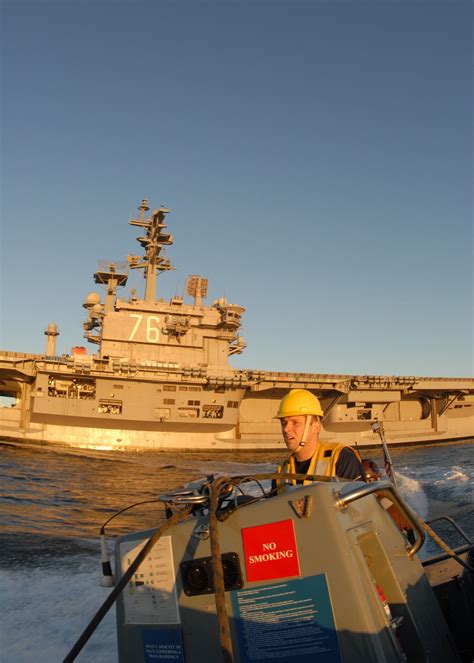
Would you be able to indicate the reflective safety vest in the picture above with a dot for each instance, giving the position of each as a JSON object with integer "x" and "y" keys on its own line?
{"x": 323, "y": 463}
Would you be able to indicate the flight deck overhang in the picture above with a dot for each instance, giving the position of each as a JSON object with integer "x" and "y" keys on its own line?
{"x": 379, "y": 388}
{"x": 17, "y": 368}
{"x": 263, "y": 381}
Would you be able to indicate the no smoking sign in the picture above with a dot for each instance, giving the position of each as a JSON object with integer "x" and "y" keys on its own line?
{"x": 270, "y": 551}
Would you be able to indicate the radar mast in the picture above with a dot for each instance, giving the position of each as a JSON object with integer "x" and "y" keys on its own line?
{"x": 153, "y": 243}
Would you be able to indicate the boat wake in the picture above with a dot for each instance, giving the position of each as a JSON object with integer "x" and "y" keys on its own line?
{"x": 53, "y": 604}
{"x": 412, "y": 490}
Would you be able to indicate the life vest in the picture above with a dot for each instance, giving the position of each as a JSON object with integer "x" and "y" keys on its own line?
{"x": 323, "y": 463}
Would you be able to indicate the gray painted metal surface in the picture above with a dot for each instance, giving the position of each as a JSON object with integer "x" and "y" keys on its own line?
{"x": 312, "y": 584}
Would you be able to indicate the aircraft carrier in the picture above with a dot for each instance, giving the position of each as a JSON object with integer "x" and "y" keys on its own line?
{"x": 160, "y": 377}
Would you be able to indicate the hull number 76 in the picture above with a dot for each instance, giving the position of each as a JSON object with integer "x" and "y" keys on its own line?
{"x": 152, "y": 331}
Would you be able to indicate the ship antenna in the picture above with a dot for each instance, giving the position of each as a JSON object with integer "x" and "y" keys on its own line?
{"x": 142, "y": 208}
{"x": 153, "y": 242}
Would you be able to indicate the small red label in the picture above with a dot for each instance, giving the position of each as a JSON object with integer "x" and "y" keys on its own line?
{"x": 270, "y": 551}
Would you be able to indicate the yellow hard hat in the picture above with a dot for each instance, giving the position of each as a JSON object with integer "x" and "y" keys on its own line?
{"x": 299, "y": 402}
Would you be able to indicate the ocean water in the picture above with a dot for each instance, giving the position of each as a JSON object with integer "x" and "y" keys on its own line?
{"x": 54, "y": 500}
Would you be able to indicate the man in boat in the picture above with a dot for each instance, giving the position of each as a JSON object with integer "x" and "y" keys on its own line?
{"x": 300, "y": 415}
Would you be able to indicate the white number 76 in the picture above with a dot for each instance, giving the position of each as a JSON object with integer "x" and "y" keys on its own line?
{"x": 152, "y": 331}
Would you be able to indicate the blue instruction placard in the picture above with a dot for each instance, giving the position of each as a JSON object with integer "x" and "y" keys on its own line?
{"x": 288, "y": 621}
{"x": 163, "y": 645}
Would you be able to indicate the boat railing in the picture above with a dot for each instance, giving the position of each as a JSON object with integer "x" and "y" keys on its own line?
{"x": 385, "y": 488}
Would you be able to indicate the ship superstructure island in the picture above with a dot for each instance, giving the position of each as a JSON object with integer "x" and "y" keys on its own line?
{"x": 161, "y": 377}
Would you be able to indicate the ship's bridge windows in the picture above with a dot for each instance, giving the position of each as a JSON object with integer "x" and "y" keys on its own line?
{"x": 109, "y": 407}
{"x": 118, "y": 386}
{"x": 194, "y": 402}
{"x": 169, "y": 387}
{"x": 180, "y": 388}
{"x": 194, "y": 388}
{"x": 168, "y": 401}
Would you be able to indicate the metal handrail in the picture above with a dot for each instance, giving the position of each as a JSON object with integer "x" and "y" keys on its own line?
{"x": 184, "y": 496}
{"x": 383, "y": 487}
{"x": 460, "y": 550}
{"x": 455, "y": 553}
{"x": 454, "y": 524}
{"x": 189, "y": 499}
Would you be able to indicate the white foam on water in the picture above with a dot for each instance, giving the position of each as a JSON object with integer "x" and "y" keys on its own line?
{"x": 457, "y": 475}
{"x": 412, "y": 490}
{"x": 45, "y": 609}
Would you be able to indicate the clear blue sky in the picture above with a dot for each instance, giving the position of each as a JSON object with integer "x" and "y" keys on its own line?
{"x": 317, "y": 157}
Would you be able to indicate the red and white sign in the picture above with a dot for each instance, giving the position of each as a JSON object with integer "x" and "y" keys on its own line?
{"x": 270, "y": 551}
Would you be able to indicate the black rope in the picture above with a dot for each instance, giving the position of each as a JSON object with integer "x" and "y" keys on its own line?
{"x": 131, "y": 506}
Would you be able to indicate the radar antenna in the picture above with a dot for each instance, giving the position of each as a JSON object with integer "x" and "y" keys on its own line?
{"x": 196, "y": 286}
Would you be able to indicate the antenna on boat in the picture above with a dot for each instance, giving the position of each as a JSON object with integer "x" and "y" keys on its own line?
{"x": 377, "y": 427}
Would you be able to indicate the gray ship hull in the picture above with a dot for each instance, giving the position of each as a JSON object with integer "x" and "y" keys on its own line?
{"x": 85, "y": 402}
